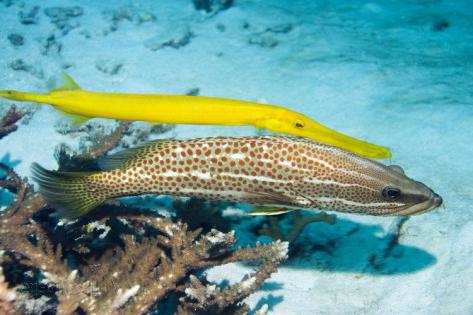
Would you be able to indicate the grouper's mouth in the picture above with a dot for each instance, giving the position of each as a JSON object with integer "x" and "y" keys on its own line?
{"x": 433, "y": 202}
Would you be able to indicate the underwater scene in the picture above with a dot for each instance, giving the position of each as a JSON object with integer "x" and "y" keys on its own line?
{"x": 236, "y": 157}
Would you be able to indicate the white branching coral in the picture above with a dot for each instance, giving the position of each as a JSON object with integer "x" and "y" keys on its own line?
{"x": 123, "y": 296}
{"x": 281, "y": 250}
{"x": 215, "y": 237}
{"x": 97, "y": 226}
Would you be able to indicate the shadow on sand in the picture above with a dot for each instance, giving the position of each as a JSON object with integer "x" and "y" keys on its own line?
{"x": 353, "y": 247}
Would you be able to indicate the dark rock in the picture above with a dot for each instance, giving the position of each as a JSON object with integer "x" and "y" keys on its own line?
{"x": 51, "y": 45}
{"x": 61, "y": 13}
{"x": 109, "y": 67}
{"x": 212, "y": 5}
{"x": 269, "y": 37}
{"x": 221, "y": 27}
{"x": 20, "y": 65}
{"x": 16, "y": 39}
{"x": 86, "y": 34}
{"x": 62, "y": 17}
{"x": 440, "y": 25}
{"x": 280, "y": 28}
{"x": 263, "y": 41}
{"x": 193, "y": 92}
{"x": 174, "y": 38}
{"x": 127, "y": 13}
{"x": 30, "y": 17}
{"x": 7, "y": 3}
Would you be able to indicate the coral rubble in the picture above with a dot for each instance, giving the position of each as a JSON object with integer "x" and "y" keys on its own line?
{"x": 62, "y": 17}
{"x": 8, "y": 122}
{"x": 273, "y": 227}
{"x": 16, "y": 39}
{"x": 212, "y": 5}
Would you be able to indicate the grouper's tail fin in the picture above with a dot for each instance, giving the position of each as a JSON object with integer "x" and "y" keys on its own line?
{"x": 72, "y": 194}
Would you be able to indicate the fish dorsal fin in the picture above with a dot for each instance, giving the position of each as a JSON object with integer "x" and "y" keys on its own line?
{"x": 127, "y": 157}
{"x": 68, "y": 84}
{"x": 397, "y": 169}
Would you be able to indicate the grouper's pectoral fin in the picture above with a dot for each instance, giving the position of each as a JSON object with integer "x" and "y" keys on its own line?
{"x": 289, "y": 198}
{"x": 269, "y": 211}
{"x": 276, "y": 202}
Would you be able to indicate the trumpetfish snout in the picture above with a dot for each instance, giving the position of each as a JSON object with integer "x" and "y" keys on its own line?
{"x": 280, "y": 173}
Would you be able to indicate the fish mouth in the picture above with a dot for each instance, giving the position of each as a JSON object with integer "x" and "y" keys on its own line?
{"x": 433, "y": 202}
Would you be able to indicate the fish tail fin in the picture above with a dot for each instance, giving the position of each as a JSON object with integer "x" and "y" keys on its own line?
{"x": 71, "y": 193}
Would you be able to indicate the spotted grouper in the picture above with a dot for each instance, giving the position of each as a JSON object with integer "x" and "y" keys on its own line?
{"x": 279, "y": 174}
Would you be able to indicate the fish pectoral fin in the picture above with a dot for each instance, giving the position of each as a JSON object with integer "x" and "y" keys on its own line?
{"x": 283, "y": 198}
{"x": 77, "y": 120}
{"x": 68, "y": 84}
{"x": 270, "y": 198}
{"x": 397, "y": 169}
{"x": 269, "y": 211}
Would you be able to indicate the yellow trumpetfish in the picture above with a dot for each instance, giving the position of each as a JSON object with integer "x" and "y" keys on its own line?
{"x": 180, "y": 109}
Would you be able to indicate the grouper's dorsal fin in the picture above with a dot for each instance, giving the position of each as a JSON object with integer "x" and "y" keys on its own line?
{"x": 68, "y": 84}
{"x": 128, "y": 157}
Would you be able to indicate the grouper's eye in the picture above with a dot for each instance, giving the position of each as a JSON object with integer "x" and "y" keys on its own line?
{"x": 299, "y": 124}
{"x": 391, "y": 193}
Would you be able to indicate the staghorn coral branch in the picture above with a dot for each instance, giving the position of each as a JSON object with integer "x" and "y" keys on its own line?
{"x": 274, "y": 230}
{"x": 157, "y": 259}
{"x": 107, "y": 143}
{"x": 87, "y": 160}
{"x": 16, "y": 185}
{"x": 210, "y": 298}
{"x": 17, "y": 225}
{"x": 8, "y": 122}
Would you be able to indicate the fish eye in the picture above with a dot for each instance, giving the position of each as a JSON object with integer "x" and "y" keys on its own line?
{"x": 299, "y": 124}
{"x": 391, "y": 193}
